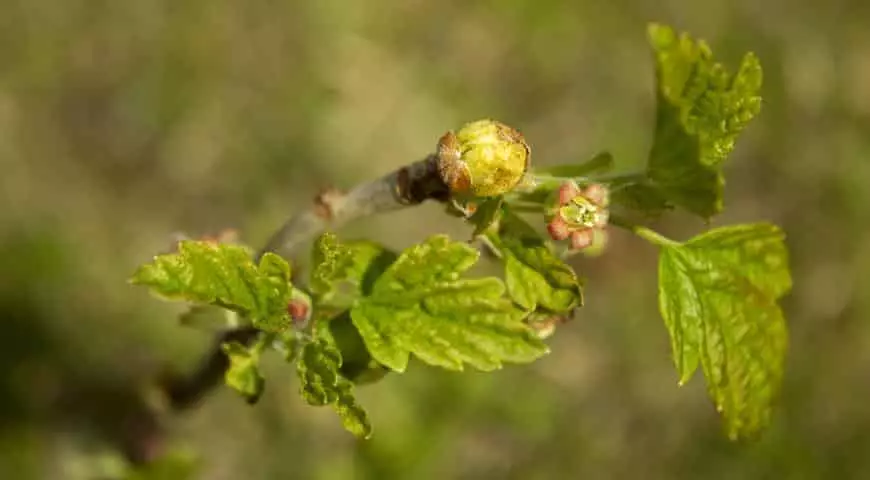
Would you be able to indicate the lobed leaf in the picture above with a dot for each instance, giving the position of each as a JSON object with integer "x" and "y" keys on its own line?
{"x": 718, "y": 295}
{"x": 344, "y": 271}
{"x": 420, "y": 305}
{"x": 223, "y": 275}
{"x": 487, "y": 213}
{"x": 243, "y": 374}
{"x": 600, "y": 163}
{"x": 322, "y": 384}
{"x": 534, "y": 275}
{"x": 701, "y": 109}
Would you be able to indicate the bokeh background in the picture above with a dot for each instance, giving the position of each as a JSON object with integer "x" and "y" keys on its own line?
{"x": 124, "y": 121}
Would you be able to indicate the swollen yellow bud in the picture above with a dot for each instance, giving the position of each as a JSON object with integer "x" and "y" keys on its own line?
{"x": 485, "y": 158}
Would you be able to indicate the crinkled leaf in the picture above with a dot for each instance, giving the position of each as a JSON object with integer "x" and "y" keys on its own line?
{"x": 344, "y": 271}
{"x": 357, "y": 364}
{"x": 322, "y": 384}
{"x": 243, "y": 374}
{"x": 535, "y": 276}
{"x": 718, "y": 295}
{"x": 223, "y": 275}
{"x": 420, "y": 305}
{"x": 600, "y": 163}
{"x": 642, "y": 197}
{"x": 701, "y": 109}
{"x": 488, "y": 212}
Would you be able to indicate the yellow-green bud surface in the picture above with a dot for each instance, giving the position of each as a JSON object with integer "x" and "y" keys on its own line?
{"x": 484, "y": 158}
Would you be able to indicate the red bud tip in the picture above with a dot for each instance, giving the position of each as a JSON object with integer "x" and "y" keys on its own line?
{"x": 558, "y": 229}
{"x": 581, "y": 239}
{"x": 298, "y": 310}
{"x": 567, "y": 192}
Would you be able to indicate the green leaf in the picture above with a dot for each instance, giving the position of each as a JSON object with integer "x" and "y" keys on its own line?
{"x": 718, "y": 295}
{"x": 357, "y": 364}
{"x": 223, "y": 275}
{"x": 643, "y": 197}
{"x": 243, "y": 374}
{"x": 535, "y": 276}
{"x": 600, "y": 163}
{"x": 420, "y": 305}
{"x": 548, "y": 179}
{"x": 488, "y": 212}
{"x": 344, "y": 271}
{"x": 701, "y": 109}
{"x": 322, "y": 384}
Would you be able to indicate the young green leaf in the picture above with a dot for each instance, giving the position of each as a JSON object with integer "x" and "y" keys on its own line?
{"x": 357, "y": 364}
{"x": 243, "y": 374}
{"x": 701, "y": 109}
{"x": 344, "y": 271}
{"x": 718, "y": 295}
{"x": 547, "y": 179}
{"x": 223, "y": 275}
{"x": 421, "y": 306}
{"x": 322, "y": 384}
{"x": 488, "y": 212}
{"x": 534, "y": 275}
{"x": 600, "y": 163}
{"x": 643, "y": 197}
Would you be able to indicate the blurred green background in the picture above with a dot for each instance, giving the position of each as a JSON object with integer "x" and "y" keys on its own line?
{"x": 124, "y": 121}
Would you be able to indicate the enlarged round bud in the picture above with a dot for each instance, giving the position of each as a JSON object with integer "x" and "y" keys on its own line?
{"x": 485, "y": 158}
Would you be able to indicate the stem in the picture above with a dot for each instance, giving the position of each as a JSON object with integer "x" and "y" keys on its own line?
{"x": 620, "y": 179}
{"x": 407, "y": 186}
{"x": 645, "y": 233}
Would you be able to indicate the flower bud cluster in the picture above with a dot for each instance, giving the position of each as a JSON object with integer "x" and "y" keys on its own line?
{"x": 578, "y": 214}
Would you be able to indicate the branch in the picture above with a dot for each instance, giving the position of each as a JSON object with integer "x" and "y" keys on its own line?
{"x": 409, "y": 185}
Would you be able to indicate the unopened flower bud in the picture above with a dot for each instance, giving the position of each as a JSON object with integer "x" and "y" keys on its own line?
{"x": 484, "y": 158}
{"x": 558, "y": 229}
{"x": 299, "y": 309}
{"x": 578, "y": 213}
{"x": 581, "y": 239}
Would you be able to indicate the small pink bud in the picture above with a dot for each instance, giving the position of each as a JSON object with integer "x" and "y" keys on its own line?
{"x": 558, "y": 229}
{"x": 581, "y": 239}
{"x": 597, "y": 193}
{"x": 567, "y": 192}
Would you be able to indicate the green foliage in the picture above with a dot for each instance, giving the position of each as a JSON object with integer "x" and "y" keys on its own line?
{"x": 243, "y": 375}
{"x": 701, "y": 109}
{"x": 421, "y": 306}
{"x": 534, "y": 275}
{"x": 718, "y": 295}
{"x": 600, "y": 163}
{"x": 322, "y": 384}
{"x": 357, "y": 364}
{"x": 223, "y": 275}
{"x": 345, "y": 271}
{"x": 487, "y": 213}
{"x": 372, "y": 309}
